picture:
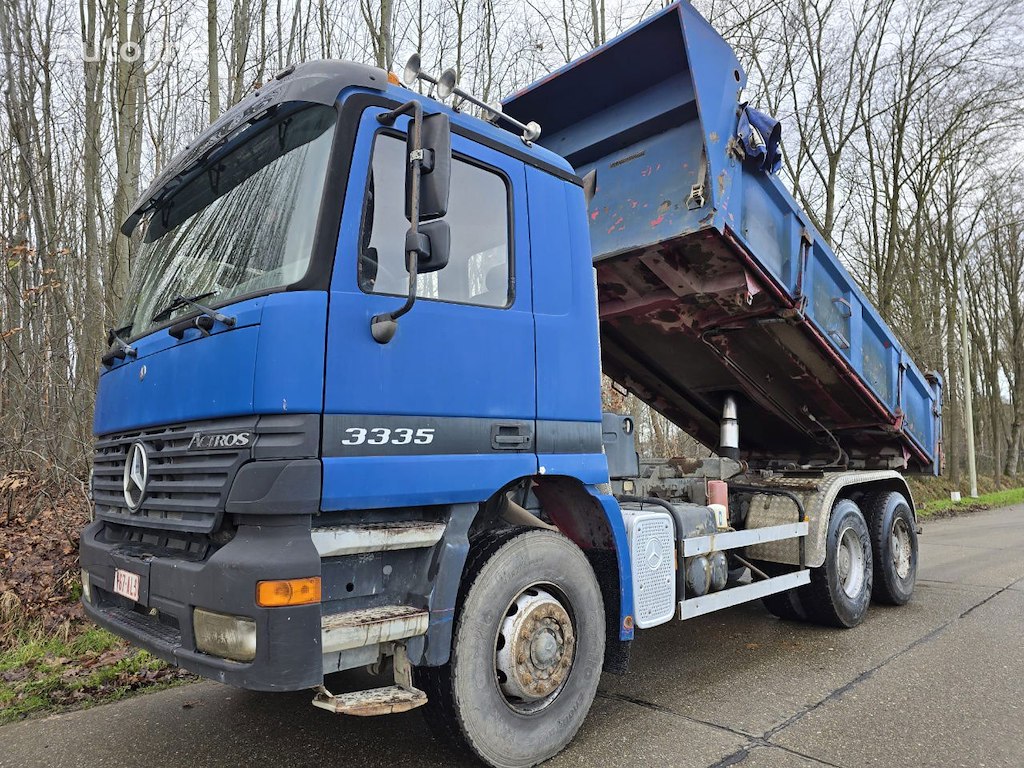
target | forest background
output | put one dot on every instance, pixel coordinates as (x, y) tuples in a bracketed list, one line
[(901, 135)]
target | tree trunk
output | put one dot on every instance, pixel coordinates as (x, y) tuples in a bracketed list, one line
[(213, 77)]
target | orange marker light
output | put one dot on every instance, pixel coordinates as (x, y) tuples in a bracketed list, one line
[(393, 79), (273, 594)]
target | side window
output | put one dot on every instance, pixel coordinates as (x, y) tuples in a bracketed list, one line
[(478, 267)]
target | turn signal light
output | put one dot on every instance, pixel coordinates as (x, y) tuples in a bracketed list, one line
[(273, 594)]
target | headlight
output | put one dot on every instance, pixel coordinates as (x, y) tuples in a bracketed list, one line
[(220, 634)]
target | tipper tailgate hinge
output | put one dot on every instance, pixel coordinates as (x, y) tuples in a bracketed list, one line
[(696, 199)]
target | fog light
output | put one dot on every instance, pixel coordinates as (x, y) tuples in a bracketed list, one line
[(86, 586), (219, 634)]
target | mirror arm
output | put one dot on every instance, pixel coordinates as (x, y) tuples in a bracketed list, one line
[(388, 118), (383, 327)]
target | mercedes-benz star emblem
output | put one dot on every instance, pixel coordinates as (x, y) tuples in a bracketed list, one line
[(136, 475)]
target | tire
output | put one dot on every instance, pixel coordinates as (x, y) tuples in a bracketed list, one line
[(534, 585), (785, 605), (840, 590), (894, 548)]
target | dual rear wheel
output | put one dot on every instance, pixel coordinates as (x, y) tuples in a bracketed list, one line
[(872, 557)]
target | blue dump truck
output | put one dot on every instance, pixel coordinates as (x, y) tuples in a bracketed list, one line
[(352, 415)]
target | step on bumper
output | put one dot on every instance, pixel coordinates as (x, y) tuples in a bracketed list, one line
[(342, 540), (369, 626), (369, 703), (387, 700)]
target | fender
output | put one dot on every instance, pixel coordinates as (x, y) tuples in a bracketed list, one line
[(613, 516)]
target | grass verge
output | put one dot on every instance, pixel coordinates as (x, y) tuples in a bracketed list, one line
[(947, 508), (40, 675)]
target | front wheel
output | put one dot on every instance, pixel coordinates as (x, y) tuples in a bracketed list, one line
[(840, 590), (527, 649)]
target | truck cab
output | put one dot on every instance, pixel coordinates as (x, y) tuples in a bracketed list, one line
[(221, 440)]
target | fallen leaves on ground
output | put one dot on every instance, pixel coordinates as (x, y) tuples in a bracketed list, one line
[(45, 683), (39, 573), (50, 656)]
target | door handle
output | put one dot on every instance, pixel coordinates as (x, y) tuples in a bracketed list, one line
[(510, 436)]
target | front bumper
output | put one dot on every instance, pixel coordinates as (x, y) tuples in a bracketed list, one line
[(172, 583)]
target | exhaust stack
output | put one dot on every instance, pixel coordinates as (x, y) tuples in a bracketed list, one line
[(729, 437)]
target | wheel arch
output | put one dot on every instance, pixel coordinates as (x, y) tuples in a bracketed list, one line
[(591, 519), (874, 488)]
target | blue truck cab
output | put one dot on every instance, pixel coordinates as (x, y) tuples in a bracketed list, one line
[(250, 429), (352, 408)]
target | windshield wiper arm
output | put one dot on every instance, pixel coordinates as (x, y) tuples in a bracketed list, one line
[(177, 303), (122, 348), (181, 301)]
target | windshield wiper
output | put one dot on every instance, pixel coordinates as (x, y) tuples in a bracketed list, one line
[(181, 301), (122, 348)]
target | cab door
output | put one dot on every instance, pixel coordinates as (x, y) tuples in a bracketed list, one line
[(444, 412)]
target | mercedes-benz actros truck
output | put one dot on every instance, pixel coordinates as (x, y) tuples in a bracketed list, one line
[(351, 414)]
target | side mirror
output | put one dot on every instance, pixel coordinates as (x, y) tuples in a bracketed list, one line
[(427, 184), (431, 244), (436, 170)]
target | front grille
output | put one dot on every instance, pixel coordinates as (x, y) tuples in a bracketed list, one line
[(187, 489)]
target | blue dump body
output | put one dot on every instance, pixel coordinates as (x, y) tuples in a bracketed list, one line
[(727, 287)]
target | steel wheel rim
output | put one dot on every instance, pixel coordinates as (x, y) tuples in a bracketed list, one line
[(901, 547), (850, 562), (534, 649)]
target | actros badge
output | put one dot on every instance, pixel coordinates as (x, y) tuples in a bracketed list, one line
[(219, 441)]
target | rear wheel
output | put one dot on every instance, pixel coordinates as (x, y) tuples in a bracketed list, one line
[(894, 544), (527, 650), (840, 590)]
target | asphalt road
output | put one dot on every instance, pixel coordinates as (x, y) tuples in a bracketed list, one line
[(939, 682)]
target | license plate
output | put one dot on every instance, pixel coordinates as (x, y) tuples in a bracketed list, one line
[(126, 584)]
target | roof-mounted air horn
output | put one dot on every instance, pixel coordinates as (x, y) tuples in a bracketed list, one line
[(414, 71), (447, 84)]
